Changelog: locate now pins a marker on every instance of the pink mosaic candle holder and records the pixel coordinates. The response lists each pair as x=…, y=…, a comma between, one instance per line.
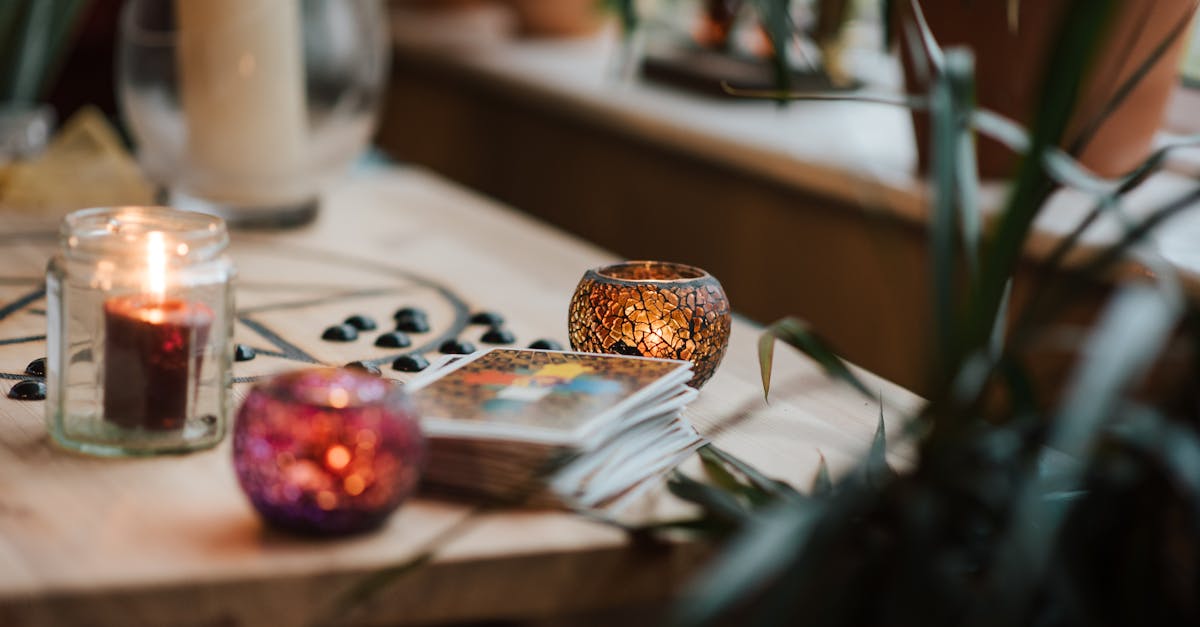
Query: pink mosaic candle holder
x=327, y=451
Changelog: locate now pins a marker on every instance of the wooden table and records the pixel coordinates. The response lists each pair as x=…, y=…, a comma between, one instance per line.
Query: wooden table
x=171, y=540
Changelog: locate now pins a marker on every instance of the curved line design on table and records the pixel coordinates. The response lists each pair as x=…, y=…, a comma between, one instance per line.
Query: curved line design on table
x=461, y=309
x=285, y=349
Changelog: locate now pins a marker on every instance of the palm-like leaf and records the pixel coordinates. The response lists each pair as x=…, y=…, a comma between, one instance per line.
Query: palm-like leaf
x=797, y=334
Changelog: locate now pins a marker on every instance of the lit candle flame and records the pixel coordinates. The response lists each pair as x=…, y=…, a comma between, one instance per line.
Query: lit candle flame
x=156, y=265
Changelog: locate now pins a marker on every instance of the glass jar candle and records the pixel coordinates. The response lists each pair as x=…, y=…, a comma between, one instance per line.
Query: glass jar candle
x=327, y=451
x=653, y=309
x=139, y=328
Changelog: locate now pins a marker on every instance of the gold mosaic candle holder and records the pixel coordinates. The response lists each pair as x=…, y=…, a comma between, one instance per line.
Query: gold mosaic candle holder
x=653, y=309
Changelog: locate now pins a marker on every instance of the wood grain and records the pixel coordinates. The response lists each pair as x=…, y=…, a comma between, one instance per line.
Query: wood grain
x=172, y=541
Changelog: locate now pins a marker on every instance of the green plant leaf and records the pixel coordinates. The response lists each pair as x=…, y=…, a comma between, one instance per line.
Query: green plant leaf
x=932, y=50
x=774, y=487
x=822, y=482
x=719, y=473
x=717, y=502
x=33, y=36
x=776, y=19
x=911, y=101
x=1135, y=177
x=363, y=589
x=67, y=14
x=970, y=209
x=1173, y=446
x=887, y=16
x=797, y=334
x=876, y=469
x=1022, y=398
x=702, y=525
x=627, y=14
x=1077, y=41
x=770, y=545
x=1113, y=360
x=10, y=32
x=1116, y=252
x=951, y=100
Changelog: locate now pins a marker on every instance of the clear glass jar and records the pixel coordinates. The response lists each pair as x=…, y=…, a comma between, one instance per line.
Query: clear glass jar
x=248, y=108
x=139, y=347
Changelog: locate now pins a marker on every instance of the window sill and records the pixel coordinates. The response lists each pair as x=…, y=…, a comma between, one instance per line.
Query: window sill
x=861, y=154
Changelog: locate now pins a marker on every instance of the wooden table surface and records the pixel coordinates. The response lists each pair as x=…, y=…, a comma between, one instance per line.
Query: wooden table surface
x=172, y=541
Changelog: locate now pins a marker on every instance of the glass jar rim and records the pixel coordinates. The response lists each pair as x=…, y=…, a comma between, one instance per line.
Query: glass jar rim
x=315, y=386
x=670, y=272
x=110, y=231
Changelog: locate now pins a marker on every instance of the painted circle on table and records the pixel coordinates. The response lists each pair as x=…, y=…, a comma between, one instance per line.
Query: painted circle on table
x=287, y=295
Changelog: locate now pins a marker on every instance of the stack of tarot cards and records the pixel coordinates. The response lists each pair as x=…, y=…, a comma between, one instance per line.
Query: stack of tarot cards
x=552, y=428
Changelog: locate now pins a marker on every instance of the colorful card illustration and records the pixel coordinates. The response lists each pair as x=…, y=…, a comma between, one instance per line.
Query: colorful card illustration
x=543, y=395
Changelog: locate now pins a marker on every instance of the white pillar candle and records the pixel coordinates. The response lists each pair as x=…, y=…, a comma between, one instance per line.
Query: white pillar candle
x=241, y=68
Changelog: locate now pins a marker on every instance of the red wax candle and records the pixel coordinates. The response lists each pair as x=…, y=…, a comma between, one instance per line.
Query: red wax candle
x=151, y=345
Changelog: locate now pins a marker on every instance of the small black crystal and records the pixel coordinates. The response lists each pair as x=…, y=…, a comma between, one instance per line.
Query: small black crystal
x=490, y=318
x=498, y=335
x=242, y=352
x=456, y=347
x=37, y=367
x=408, y=312
x=365, y=367
x=361, y=322
x=340, y=333
x=546, y=345
x=28, y=390
x=413, y=324
x=414, y=362
x=393, y=339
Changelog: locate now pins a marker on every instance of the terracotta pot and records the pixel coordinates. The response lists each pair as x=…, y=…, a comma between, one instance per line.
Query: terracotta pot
x=558, y=18
x=1009, y=66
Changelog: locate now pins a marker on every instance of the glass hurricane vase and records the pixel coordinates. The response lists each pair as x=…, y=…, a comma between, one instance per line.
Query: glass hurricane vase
x=248, y=108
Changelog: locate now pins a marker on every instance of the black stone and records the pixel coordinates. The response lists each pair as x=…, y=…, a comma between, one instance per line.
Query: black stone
x=546, y=345
x=365, y=367
x=28, y=390
x=621, y=348
x=414, y=362
x=242, y=352
x=37, y=367
x=490, y=318
x=393, y=339
x=408, y=312
x=498, y=335
x=361, y=322
x=413, y=324
x=340, y=333
x=456, y=347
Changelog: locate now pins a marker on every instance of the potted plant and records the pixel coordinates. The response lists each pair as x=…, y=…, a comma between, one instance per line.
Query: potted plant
x=1018, y=510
